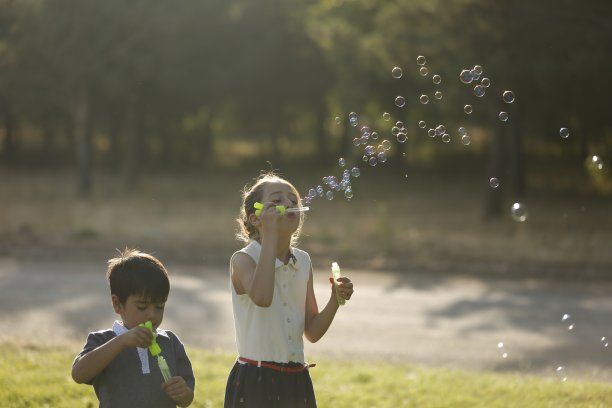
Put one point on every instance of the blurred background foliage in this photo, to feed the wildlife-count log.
(128, 88)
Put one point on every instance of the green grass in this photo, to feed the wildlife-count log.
(40, 377)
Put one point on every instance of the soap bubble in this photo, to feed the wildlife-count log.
(494, 182)
(438, 95)
(431, 132)
(596, 162)
(386, 144)
(348, 193)
(342, 162)
(477, 69)
(564, 132)
(467, 109)
(382, 157)
(561, 374)
(436, 79)
(396, 72)
(365, 157)
(519, 212)
(486, 82)
(423, 71)
(355, 172)
(338, 120)
(369, 150)
(306, 200)
(466, 140)
(399, 124)
(604, 342)
(502, 349)
(365, 131)
(329, 195)
(567, 320)
(508, 96)
(475, 74)
(395, 130)
(372, 161)
(424, 99)
(320, 191)
(386, 116)
(446, 138)
(462, 131)
(400, 101)
(440, 129)
(465, 76)
(503, 116)
(374, 135)
(353, 119)
(479, 91)
(312, 192)
(422, 124)
(357, 141)
(421, 60)
(401, 137)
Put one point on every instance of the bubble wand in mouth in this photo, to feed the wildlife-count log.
(281, 209)
(155, 351)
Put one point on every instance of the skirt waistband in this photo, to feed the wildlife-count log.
(275, 366)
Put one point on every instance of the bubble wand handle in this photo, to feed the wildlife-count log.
(163, 367)
(155, 351)
(336, 274)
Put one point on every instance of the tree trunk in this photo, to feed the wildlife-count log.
(82, 133)
(133, 156)
(9, 148)
(516, 162)
(113, 158)
(494, 168)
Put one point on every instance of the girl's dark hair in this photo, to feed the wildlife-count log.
(137, 273)
(251, 195)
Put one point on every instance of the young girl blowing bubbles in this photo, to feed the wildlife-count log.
(274, 302)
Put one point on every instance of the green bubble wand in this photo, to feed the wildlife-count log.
(155, 351)
(336, 274)
(280, 208)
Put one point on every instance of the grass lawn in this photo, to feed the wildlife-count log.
(33, 376)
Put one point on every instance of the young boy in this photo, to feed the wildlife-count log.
(116, 361)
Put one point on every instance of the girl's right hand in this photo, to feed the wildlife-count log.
(137, 337)
(269, 217)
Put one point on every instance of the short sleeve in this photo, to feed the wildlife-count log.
(183, 364)
(94, 340)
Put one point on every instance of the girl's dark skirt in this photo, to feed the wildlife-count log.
(249, 386)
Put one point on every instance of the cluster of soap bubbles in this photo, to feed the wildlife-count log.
(375, 153)
(332, 185)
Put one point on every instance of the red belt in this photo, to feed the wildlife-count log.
(276, 367)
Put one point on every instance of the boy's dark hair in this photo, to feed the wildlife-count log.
(138, 273)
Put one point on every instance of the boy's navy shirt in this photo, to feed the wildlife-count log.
(122, 383)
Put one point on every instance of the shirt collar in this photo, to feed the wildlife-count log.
(277, 262)
(119, 329)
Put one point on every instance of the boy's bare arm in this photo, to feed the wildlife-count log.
(92, 363)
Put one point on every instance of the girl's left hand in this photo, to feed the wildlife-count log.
(345, 287)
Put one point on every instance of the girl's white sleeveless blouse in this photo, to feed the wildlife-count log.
(274, 333)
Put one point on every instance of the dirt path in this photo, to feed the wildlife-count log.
(428, 320)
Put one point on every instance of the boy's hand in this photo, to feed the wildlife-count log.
(345, 287)
(177, 389)
(137, 337)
